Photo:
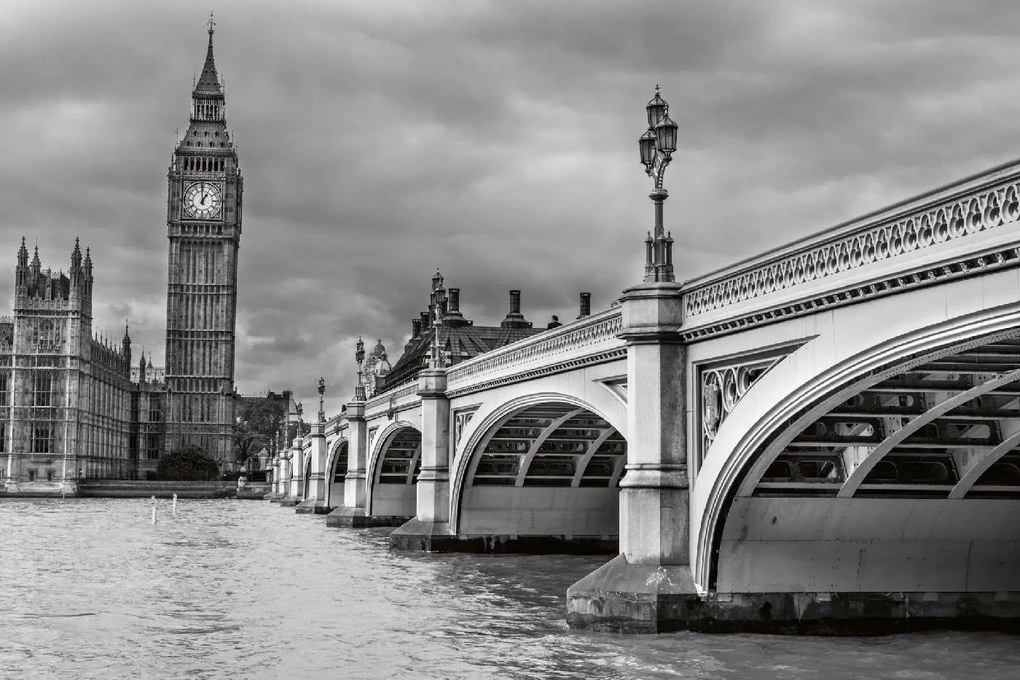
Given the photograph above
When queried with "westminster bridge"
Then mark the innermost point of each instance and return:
(820, 437)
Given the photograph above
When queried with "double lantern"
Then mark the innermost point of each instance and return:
(658, 142)
(657, 145)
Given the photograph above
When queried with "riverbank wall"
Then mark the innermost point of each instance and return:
(108, 488)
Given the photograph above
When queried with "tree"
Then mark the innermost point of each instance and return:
(257, 424)
(188, 463)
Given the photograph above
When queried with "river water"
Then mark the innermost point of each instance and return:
(246, 589)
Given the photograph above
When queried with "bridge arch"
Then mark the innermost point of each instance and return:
(336, 472)
(393, 470)
(540, 465)
(900, 458)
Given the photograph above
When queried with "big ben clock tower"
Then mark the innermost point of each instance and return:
(204, 229)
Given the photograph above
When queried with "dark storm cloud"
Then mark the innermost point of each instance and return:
(492, 140)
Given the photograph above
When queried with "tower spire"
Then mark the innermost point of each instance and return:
(209, 81)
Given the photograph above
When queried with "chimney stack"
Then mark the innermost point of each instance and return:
(585, 305)
(415, 327)
(453, 316)
(514, 318)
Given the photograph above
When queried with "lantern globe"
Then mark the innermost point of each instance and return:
(656, 109)
(646, 145)
(665, 135)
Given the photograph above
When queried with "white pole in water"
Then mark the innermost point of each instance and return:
(175, 505)
(154, 510)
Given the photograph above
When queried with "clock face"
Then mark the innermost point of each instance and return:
(203, 200)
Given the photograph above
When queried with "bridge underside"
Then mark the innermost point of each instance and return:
(891, 503)
(901, 500)
(335, 476)
(393, 488)
(546, 479)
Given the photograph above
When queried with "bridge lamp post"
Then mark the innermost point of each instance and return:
(657, 145)
(322, 391)
(359, 356)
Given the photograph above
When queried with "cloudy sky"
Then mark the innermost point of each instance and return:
(494, 140)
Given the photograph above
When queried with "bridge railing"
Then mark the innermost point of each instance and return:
(947, 232)
(592, 338)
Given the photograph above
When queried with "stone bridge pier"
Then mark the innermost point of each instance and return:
(315, 481)
(295, 487)
(430, 528)
(651, 577)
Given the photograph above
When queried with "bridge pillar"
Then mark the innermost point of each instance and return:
(353, 513)
(284, 485)
(274, 494)
(648, 587)
(294, 489)
(315, 502)
(431, 523)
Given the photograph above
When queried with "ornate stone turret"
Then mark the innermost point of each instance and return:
(36, 267)
(21, 270)
(75, 272)
(125, 345)
(376, 368)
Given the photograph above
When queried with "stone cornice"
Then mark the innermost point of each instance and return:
(908, 280)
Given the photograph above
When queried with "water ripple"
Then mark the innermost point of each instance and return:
(233, 589)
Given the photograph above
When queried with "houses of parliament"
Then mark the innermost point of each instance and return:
(73, 406)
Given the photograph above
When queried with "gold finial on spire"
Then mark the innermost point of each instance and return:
(212, 24)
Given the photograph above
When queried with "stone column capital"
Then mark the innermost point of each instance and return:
(432, 383)
(355, 410)
(652, 313)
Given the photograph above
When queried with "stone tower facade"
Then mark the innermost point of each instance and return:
(64, 395)
(204, 229)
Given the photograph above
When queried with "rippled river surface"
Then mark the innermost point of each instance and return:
(246, 589)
